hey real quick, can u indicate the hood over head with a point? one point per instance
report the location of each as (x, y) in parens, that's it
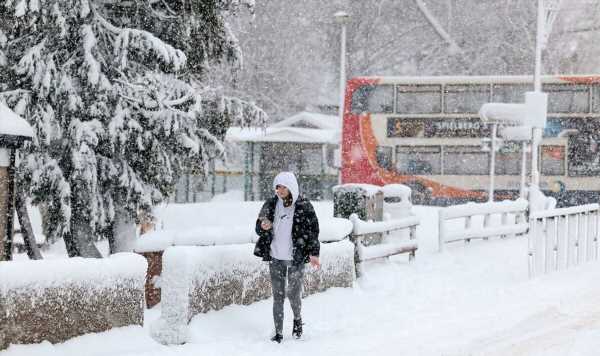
(288, 180)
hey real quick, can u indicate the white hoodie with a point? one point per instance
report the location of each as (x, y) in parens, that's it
(281, 246)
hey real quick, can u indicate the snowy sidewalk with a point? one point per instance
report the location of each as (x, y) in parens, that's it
(469, 300)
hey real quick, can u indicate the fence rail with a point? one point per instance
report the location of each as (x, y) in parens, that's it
(372, 239)
(561, 238)
(511, 213)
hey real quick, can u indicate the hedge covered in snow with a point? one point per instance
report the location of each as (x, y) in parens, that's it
(198, 279)
(55, 300)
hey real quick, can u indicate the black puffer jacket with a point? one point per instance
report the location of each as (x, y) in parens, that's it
(305, 231)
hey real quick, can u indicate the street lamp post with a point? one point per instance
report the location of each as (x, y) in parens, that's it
(537, 87)
(342, 18)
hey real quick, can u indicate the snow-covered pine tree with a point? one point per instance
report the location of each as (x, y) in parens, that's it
(116, 118)
(200, 29)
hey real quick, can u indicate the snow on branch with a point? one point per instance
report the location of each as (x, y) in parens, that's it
(143, 41)
(454, 47)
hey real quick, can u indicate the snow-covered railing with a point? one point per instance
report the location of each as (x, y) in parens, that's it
(332, 229)
(57, 299)
(196, 279)
(499, 219)
(152, 244)
(560, 238)
(392, 242)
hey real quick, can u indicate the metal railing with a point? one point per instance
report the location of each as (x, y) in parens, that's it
(561, 238)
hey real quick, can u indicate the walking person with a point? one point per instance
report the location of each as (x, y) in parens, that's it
(288, 232)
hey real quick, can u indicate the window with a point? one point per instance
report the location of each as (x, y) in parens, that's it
(312, 159)
(373, 99)
(384, 157)
(467, 160)
(553, 160)
(466, 98)
(567, 98)
(596, 97)
(510, 93)
(584, 155)
(418, 159)
(509, 158)
(419, 99)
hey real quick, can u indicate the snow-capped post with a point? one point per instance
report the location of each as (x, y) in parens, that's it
(14, 131)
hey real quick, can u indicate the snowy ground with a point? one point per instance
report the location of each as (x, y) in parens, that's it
(468, 300)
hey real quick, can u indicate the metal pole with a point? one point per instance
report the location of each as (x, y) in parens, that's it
(523, 169)
(493, 162)
(252, 170)
(537, 85)
(342, 70)
(537, 80)
(342, 93)
(247, 173)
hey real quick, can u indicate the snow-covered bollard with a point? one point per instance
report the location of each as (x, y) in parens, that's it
(55, 300)
(196, 279)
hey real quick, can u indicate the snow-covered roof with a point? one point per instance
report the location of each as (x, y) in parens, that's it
(12, 124)
(282, 134)
(307, 119)
(304, 127)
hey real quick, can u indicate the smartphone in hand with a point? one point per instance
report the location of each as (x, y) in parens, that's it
(265, 223)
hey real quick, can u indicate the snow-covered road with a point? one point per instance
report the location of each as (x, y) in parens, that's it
(469, 300)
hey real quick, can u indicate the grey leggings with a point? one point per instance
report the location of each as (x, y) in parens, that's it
(279, 270)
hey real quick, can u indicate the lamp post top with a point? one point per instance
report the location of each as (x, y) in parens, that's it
(342, 17)
(13, 128)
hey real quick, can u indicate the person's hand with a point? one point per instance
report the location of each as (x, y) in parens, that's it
(265, 224)
(314, 261)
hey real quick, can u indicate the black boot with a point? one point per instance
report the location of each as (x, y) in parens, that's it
(297, 330)
(277, 338)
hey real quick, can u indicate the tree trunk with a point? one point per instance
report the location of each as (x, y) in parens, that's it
(82, 235)
(28, 236)
(122, 237)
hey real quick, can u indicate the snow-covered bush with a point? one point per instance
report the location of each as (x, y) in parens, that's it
(55, 300)
(366, 200)
(198, 279)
